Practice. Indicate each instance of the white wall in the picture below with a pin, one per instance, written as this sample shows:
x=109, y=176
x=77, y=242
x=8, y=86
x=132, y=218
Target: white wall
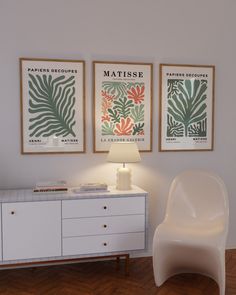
x=157, y=31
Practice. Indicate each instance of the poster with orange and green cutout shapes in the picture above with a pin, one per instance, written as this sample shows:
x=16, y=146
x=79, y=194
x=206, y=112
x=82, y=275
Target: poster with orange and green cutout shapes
x=122, y=104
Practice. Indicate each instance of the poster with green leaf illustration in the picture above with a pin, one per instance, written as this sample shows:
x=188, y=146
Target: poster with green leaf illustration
x=52, y=106
x=186, y=107
x=122, y=104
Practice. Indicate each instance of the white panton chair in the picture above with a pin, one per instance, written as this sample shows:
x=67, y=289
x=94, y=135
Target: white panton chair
x=192, y=237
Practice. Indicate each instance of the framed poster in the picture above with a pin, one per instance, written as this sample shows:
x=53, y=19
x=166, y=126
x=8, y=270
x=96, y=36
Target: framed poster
x=186, y=107
x=52, y=106
x=122, y=104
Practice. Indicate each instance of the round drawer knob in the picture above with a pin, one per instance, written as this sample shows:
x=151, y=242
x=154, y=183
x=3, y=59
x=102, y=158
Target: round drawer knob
x=104, y=225
x=104, y=244
x=104, y=207
x=12, y=212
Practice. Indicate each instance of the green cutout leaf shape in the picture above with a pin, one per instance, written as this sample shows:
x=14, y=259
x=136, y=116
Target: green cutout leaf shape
x=137, y=128
x=137, y=113
x=189, y=105
x=198, y=129
x=172, y=87
x=174, y=129
x=123, y=107
x=114, y=115
x=115, y=88
x=51, y=105
x=108, y=128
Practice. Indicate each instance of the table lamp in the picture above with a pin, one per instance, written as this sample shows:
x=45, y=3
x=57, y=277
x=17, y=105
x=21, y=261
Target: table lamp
x=123, y=152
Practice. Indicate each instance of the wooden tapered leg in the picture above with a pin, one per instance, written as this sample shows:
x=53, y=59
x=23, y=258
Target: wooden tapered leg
x=127, y=264
x=118, y=263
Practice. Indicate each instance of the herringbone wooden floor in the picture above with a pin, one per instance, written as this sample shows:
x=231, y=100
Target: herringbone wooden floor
x=102, y=278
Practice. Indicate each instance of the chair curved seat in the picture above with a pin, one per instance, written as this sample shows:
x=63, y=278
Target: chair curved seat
x=193, y=234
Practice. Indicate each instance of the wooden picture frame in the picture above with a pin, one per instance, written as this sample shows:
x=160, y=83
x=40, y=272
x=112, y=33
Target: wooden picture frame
x=52, y=106
x=122, y=106
x=186, y=107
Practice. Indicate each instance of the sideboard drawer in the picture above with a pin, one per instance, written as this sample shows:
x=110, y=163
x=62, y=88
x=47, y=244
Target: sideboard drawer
x=103, y=225
x=103, y=207
x=103, y=243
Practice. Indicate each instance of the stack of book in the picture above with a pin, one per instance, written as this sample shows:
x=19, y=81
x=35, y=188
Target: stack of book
x=91, y=187
x=59, y=186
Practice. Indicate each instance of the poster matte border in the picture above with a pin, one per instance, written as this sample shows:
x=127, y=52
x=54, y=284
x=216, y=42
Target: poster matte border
x=160, y=106
x=149, y=149
x=82, y=62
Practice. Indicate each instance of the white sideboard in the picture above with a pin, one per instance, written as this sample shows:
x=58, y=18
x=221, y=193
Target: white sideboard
x=39, y=228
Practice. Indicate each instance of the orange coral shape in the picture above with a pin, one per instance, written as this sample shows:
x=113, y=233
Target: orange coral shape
x=106, y=118
x=107, y=96
x=124, y=128
x=141, y=132
x=136, y=94
x=105, y=106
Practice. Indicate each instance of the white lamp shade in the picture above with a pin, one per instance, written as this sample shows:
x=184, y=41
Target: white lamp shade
x=123, y=152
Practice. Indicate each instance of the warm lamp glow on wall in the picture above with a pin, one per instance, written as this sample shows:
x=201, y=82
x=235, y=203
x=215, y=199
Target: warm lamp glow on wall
x=123, y=152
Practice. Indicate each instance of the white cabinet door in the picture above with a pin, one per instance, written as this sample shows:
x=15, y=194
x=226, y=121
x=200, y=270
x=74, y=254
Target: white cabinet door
x=31, y=230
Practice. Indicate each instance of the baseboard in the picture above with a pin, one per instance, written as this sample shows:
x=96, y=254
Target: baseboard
x=141, y=254
x=149, y=253
x=231, y=247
